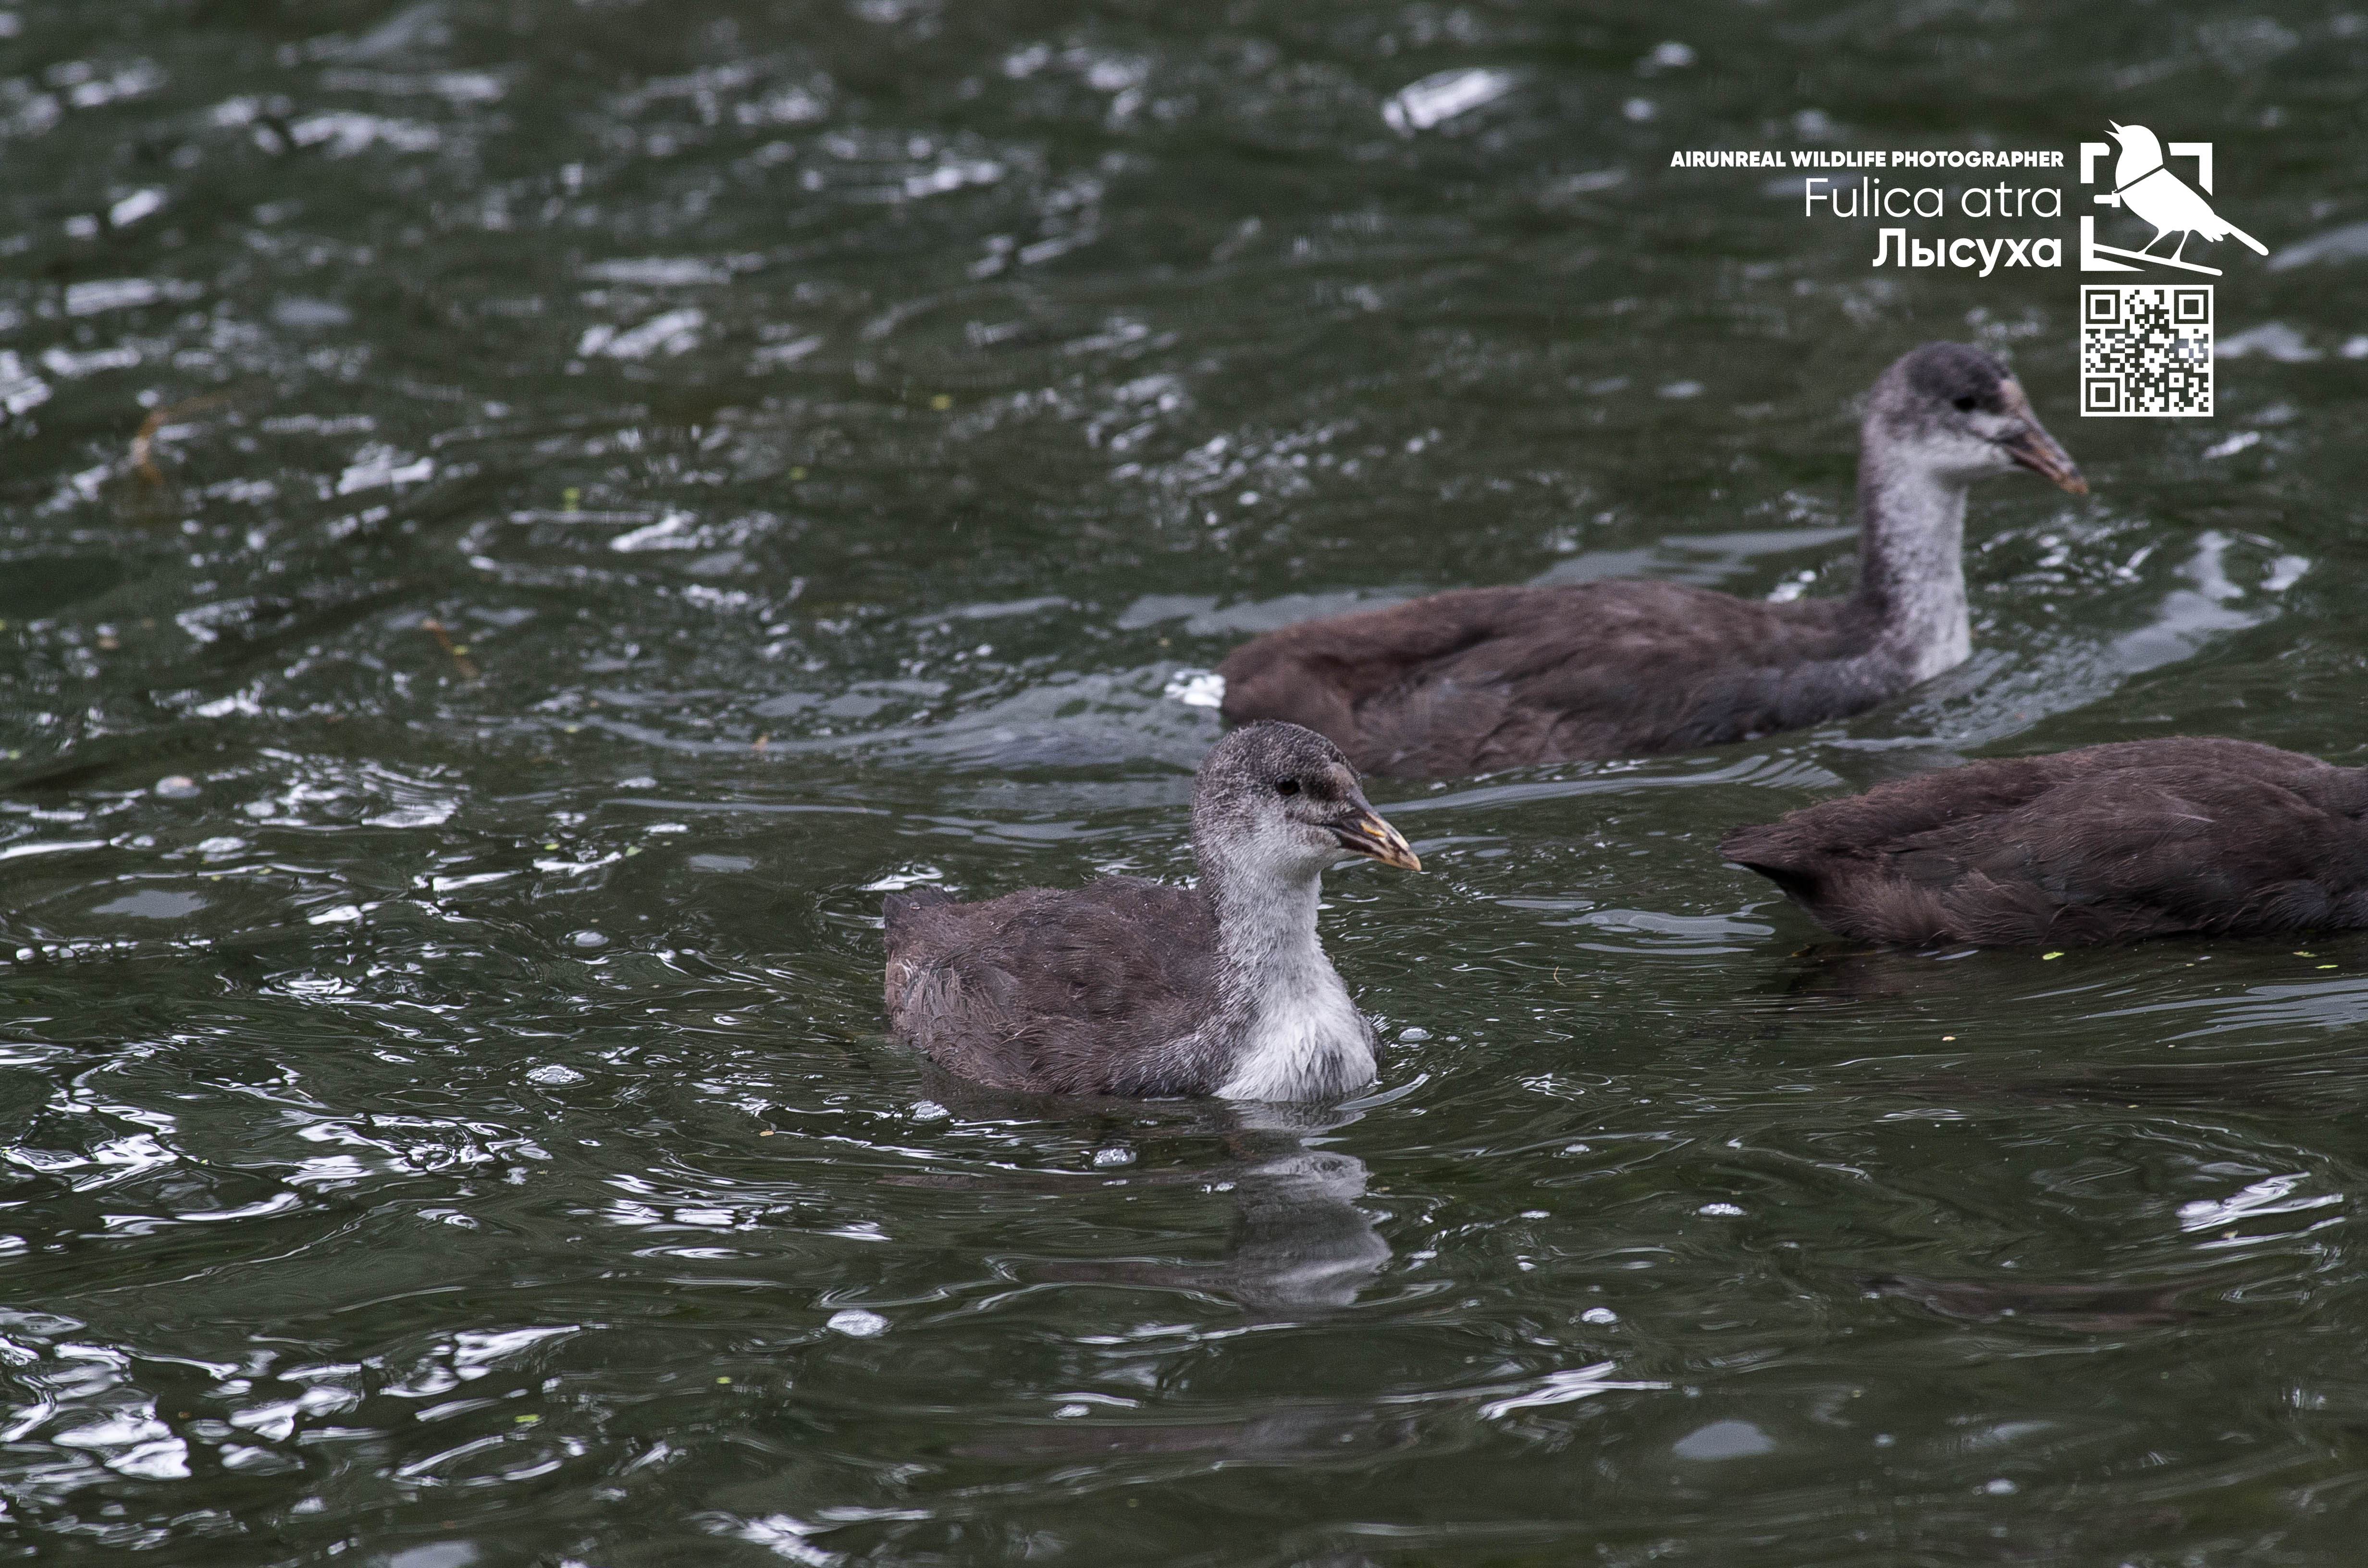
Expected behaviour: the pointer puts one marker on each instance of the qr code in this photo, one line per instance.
(2146, 349)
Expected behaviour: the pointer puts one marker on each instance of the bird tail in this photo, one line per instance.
(2258, 248)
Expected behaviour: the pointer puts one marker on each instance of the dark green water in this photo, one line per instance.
(446, 1114)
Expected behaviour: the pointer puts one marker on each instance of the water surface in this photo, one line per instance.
(517, 523)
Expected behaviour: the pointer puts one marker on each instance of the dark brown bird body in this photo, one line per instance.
(2108, 843)
(1099, 990)
(1482, 678)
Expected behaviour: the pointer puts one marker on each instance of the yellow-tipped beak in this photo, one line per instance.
(2037, 450)
(1367, 834)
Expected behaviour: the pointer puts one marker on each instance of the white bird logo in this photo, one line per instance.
(2148, 188)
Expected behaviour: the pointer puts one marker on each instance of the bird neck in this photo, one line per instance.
(1284, 1014)
(1266, 924)
(1912, 561)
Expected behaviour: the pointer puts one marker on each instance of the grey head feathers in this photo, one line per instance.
(1954, 373)
(1955, 413)
(1276, 803)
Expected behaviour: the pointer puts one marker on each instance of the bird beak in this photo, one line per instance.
(1363, 830)
(2035, 450)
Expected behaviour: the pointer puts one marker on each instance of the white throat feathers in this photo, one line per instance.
(1911, 562)
(1294, 1029)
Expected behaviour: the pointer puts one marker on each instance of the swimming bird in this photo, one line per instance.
(1138, 989)
(2145, 185)
(2137, 838)
(1482, 678)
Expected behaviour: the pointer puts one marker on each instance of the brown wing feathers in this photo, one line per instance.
(1073, 990)
(1483, 679)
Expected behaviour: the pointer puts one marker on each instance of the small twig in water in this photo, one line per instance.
(461, 660)
(145, 438)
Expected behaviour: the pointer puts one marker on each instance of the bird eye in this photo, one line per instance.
(1968, 404)
(1286, 787)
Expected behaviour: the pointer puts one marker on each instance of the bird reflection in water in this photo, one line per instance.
(1300, 1245)
(1288, 1434)
(1299, 1242)
(2087, 1307)
(1826, 978)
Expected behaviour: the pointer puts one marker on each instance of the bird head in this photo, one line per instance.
(1961, 415)
(2137, 139)
(1281, 801)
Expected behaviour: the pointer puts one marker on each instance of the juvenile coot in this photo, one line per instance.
(1134, 988)
(2141, 839)
(1482, 678)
